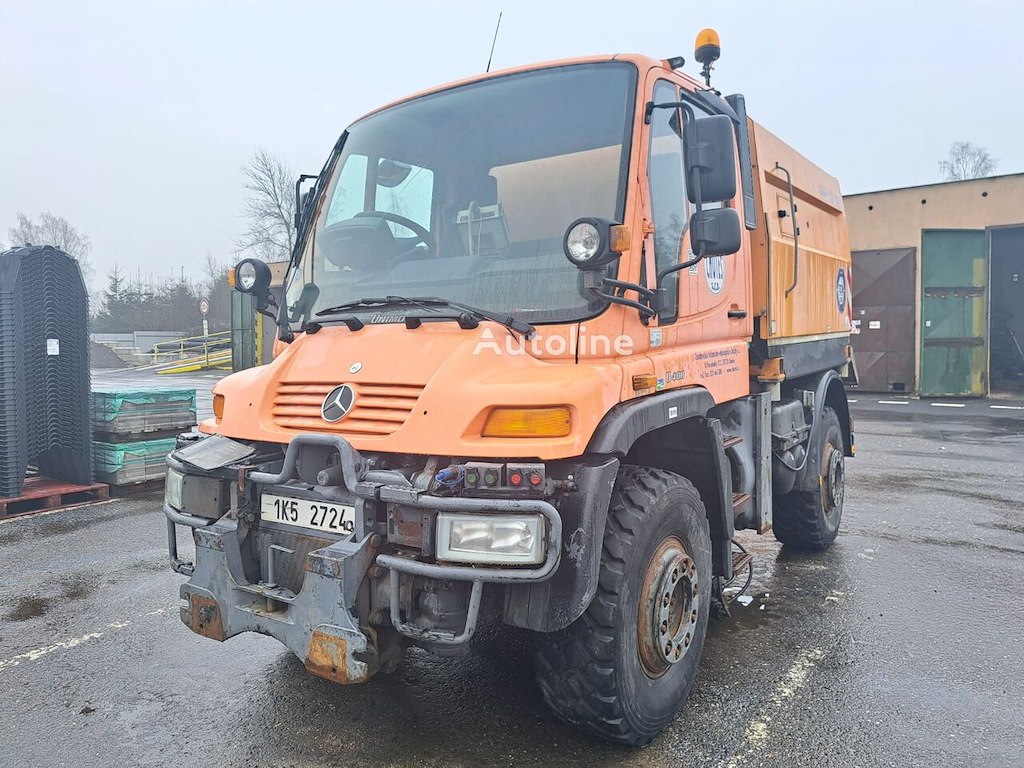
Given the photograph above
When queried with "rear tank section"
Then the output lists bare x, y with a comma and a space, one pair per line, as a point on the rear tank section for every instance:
800, 261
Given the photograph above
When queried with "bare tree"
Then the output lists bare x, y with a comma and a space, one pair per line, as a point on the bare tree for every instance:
56, 231
966, 161
269, 207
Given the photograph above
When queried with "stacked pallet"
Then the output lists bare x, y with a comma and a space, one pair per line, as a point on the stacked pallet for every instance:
44, 369
13, 432
134, 430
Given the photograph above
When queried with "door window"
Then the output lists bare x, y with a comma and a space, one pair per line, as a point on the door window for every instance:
670, 209
665, 178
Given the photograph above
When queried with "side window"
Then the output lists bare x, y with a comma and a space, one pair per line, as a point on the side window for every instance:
669, 209
405, 190
350, 191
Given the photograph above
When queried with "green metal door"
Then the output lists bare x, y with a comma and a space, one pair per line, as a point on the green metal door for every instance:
954, 333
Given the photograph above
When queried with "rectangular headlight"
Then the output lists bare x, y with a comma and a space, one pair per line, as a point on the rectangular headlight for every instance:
173, 486
493, 539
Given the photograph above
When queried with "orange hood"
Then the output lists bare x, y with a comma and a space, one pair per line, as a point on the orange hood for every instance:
424, 391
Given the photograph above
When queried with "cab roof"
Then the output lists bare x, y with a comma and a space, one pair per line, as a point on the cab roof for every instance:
642, 63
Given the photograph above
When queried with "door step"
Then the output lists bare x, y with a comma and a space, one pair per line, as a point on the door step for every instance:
740, 562
731, 441
742, 504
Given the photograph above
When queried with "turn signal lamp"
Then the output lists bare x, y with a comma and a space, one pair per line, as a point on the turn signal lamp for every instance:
218, 407
644, 381
528, 422
619, 238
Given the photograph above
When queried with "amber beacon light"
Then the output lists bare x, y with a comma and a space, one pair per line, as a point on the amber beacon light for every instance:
706, 50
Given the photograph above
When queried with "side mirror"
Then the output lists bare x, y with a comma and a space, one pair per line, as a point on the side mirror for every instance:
590, 243
301, 199
301, 309
252, 276
715, 232
301, 212
710, 160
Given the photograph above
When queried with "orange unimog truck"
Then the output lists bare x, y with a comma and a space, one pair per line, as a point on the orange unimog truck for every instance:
550, 336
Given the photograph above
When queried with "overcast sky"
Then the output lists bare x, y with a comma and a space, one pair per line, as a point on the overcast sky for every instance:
131, 119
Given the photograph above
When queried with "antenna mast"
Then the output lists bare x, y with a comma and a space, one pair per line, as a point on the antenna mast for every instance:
494, 42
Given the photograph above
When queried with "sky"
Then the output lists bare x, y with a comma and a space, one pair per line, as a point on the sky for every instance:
132, 119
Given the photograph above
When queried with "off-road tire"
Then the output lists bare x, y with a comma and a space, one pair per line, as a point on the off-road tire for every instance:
591, 673
810, 519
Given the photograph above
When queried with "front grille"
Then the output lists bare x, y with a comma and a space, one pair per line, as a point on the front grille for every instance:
378, 410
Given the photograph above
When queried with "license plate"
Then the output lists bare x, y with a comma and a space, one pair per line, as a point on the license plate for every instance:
306, 513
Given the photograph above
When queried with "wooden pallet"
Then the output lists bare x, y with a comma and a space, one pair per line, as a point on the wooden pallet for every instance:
142, 488
40, 494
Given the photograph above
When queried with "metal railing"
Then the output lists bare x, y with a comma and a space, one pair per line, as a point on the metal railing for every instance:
203, 351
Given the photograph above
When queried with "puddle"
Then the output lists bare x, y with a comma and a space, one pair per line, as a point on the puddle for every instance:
26, 608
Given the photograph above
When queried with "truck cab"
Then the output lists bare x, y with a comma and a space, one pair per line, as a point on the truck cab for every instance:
548, 338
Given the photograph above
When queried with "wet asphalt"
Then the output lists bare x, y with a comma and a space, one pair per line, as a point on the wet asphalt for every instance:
900, 646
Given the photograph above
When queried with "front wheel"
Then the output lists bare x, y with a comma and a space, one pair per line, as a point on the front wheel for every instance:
623, 669
810, 519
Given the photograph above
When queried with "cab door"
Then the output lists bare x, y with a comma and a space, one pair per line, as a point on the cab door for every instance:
709, 300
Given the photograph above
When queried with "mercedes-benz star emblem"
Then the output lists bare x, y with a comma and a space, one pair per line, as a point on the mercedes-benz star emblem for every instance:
338, 403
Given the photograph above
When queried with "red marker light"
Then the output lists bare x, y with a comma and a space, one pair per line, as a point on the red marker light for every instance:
515, 478
535, 479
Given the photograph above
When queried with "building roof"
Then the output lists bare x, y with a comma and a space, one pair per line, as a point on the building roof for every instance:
938, 184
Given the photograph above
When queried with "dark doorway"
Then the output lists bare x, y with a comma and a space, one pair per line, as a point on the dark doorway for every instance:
884, 312
1006, 312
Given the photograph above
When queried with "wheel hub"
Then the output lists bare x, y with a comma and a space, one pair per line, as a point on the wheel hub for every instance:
669, 607
834, 478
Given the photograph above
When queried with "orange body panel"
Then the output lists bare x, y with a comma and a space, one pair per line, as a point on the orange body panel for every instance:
429, 390
812, 308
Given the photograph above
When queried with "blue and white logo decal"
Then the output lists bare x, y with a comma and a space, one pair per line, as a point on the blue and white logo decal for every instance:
714, 272
841, 289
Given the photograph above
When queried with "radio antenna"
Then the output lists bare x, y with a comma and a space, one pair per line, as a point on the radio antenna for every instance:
494, 42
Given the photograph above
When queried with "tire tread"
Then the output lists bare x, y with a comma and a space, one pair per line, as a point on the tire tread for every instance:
576, 666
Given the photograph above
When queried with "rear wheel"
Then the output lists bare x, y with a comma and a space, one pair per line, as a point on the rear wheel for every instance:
623, 669
810, 519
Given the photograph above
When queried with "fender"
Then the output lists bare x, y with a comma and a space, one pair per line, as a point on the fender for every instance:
828, 391
627, 422
557, 602
622, 432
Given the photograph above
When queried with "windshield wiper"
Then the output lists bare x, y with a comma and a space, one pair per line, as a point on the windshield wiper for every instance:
430, 303
519, 326
377, 303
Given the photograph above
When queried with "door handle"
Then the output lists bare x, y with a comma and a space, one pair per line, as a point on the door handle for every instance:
739, 314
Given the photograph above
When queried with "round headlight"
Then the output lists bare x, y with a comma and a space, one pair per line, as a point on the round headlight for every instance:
583, 242
245, 276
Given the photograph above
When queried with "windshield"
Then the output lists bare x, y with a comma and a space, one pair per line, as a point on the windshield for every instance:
466, 194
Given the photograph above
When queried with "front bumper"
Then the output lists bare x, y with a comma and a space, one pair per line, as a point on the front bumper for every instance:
318, 622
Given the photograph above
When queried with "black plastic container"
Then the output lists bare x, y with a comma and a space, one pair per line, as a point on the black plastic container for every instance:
44, 368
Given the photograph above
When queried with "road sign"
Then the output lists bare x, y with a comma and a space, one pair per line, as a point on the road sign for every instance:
204, 307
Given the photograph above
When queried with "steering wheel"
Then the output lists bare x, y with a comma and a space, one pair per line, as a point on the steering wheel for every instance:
422, 233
